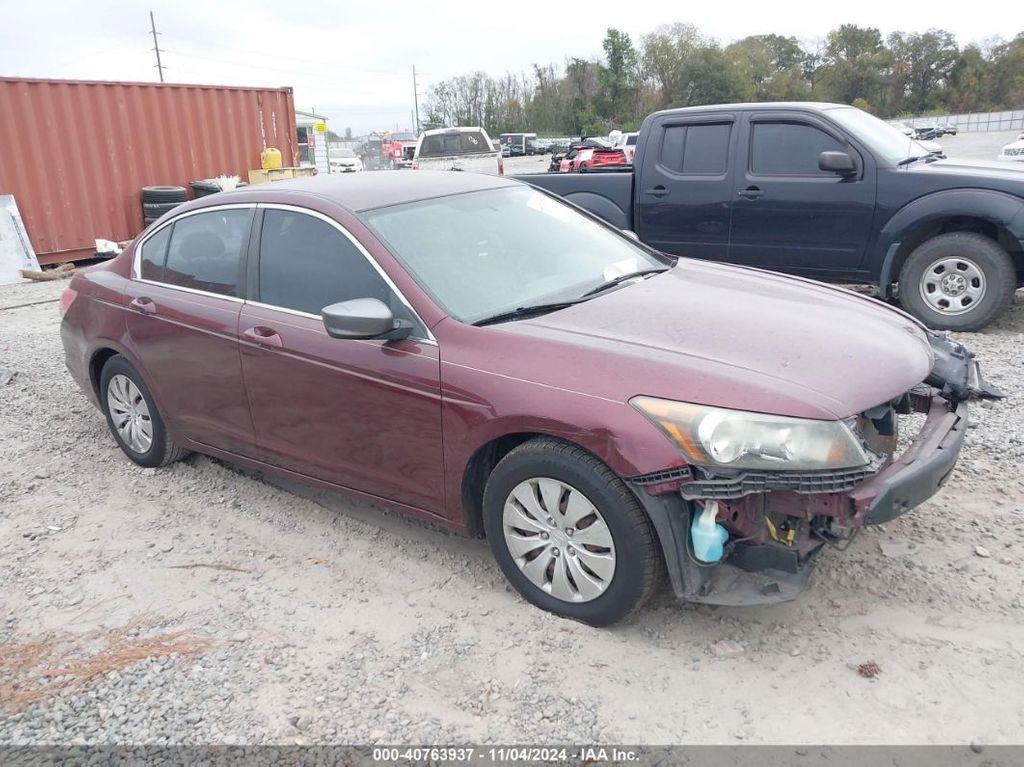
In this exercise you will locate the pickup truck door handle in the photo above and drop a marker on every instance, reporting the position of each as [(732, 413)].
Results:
[(658, 191), (263, 336), (750, 193), (142, 305)]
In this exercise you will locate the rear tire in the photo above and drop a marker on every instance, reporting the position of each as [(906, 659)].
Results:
[(958, 281), (584, 535), (132, 417)]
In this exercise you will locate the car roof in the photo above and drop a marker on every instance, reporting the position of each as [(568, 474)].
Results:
[(815, 106), (373, 189)]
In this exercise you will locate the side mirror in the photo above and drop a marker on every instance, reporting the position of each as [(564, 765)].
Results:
[(840, 163), (363, 318)]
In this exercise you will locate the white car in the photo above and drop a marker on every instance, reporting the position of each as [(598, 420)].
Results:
[(1014, 152), (627, 143), (345, 161)]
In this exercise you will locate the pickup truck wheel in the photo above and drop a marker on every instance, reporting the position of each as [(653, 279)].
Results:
[(568, 534), (957, 281)]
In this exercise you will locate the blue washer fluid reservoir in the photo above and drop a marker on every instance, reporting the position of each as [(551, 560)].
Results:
[(707, 535)]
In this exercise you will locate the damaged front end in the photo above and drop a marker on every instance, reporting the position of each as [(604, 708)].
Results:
[(742, 536)]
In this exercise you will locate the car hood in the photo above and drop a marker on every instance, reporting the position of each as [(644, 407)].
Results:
[(730, 337), (974, 173)]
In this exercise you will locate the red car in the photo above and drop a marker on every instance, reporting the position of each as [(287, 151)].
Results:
[(584, 159), (472, 351)]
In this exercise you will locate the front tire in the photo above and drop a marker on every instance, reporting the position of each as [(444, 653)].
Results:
[(569, 535), (132, 416), (958, 281)]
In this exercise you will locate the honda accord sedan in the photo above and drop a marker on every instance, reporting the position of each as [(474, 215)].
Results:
[(478, 353)]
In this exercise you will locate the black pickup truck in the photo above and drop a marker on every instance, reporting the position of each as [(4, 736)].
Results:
[(824, 191)]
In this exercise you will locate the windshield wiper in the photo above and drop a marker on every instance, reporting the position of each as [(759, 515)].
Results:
[(526, 311), (622, 278)]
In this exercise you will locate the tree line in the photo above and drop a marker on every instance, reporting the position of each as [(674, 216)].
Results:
[(676, 65)]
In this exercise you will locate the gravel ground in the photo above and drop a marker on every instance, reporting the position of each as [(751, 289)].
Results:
[(277, 614)]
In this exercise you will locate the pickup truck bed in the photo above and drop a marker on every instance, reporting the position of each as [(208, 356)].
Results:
[(607, 194)]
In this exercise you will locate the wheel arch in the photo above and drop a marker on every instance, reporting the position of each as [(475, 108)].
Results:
[(995, 215), (483, 460)]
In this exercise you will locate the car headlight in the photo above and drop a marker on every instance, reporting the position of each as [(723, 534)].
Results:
[(712, 436)]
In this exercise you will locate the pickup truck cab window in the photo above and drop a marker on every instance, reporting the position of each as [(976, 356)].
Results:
[(789, 149), (697, 149)]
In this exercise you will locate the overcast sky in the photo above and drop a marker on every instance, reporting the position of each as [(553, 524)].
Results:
[(353, 61)]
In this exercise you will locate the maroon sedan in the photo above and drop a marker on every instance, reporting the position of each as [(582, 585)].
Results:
[(478, 353)]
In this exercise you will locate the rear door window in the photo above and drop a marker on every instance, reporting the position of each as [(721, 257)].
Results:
[(205, 251), (696, 149), (789, 149), (462, 142)]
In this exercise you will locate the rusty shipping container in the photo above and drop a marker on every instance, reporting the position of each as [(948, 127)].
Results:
[(75, 154)]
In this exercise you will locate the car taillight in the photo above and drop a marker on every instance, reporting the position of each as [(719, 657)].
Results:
[(415, 166), (501, 166), (66, 299)]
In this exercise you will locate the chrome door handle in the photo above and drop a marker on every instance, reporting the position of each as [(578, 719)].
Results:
[(750, 193)]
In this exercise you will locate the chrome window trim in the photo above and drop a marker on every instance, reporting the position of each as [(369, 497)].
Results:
[(193, 291), (137, 256), (318, 318), (366, 254)]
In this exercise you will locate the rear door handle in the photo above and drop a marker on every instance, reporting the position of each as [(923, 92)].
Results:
[(658, 191), (263, 336), (142, 305), (750, 193)]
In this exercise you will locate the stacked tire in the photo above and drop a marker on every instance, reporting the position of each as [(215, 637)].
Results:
[(157, 200)]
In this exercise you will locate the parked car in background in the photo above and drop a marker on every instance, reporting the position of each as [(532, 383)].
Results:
[(1014, 151), (345, 161), (518, 143), (537, 146), (948, 128), (467, 148), (824, 191), (578, 158), (627, 143), (440, 343)]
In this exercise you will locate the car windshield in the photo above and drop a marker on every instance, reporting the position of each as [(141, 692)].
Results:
[(484, 253), (346, 153), (882, 138)]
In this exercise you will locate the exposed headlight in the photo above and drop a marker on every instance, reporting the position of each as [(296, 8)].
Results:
[(712, 436)]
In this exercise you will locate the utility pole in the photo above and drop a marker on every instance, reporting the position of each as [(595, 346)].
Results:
[(156, 46), (416, 99)]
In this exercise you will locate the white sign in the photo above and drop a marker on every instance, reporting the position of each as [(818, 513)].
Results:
[(15, 249)]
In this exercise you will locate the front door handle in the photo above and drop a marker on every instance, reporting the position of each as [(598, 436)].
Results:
[(750, 193), (658, 191), (142, 305), (263, 336)]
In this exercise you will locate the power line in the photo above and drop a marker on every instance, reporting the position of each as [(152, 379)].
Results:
[(156, 46)]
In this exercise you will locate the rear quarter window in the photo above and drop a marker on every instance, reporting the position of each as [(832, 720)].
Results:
[(445, 144), (153, 255)]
